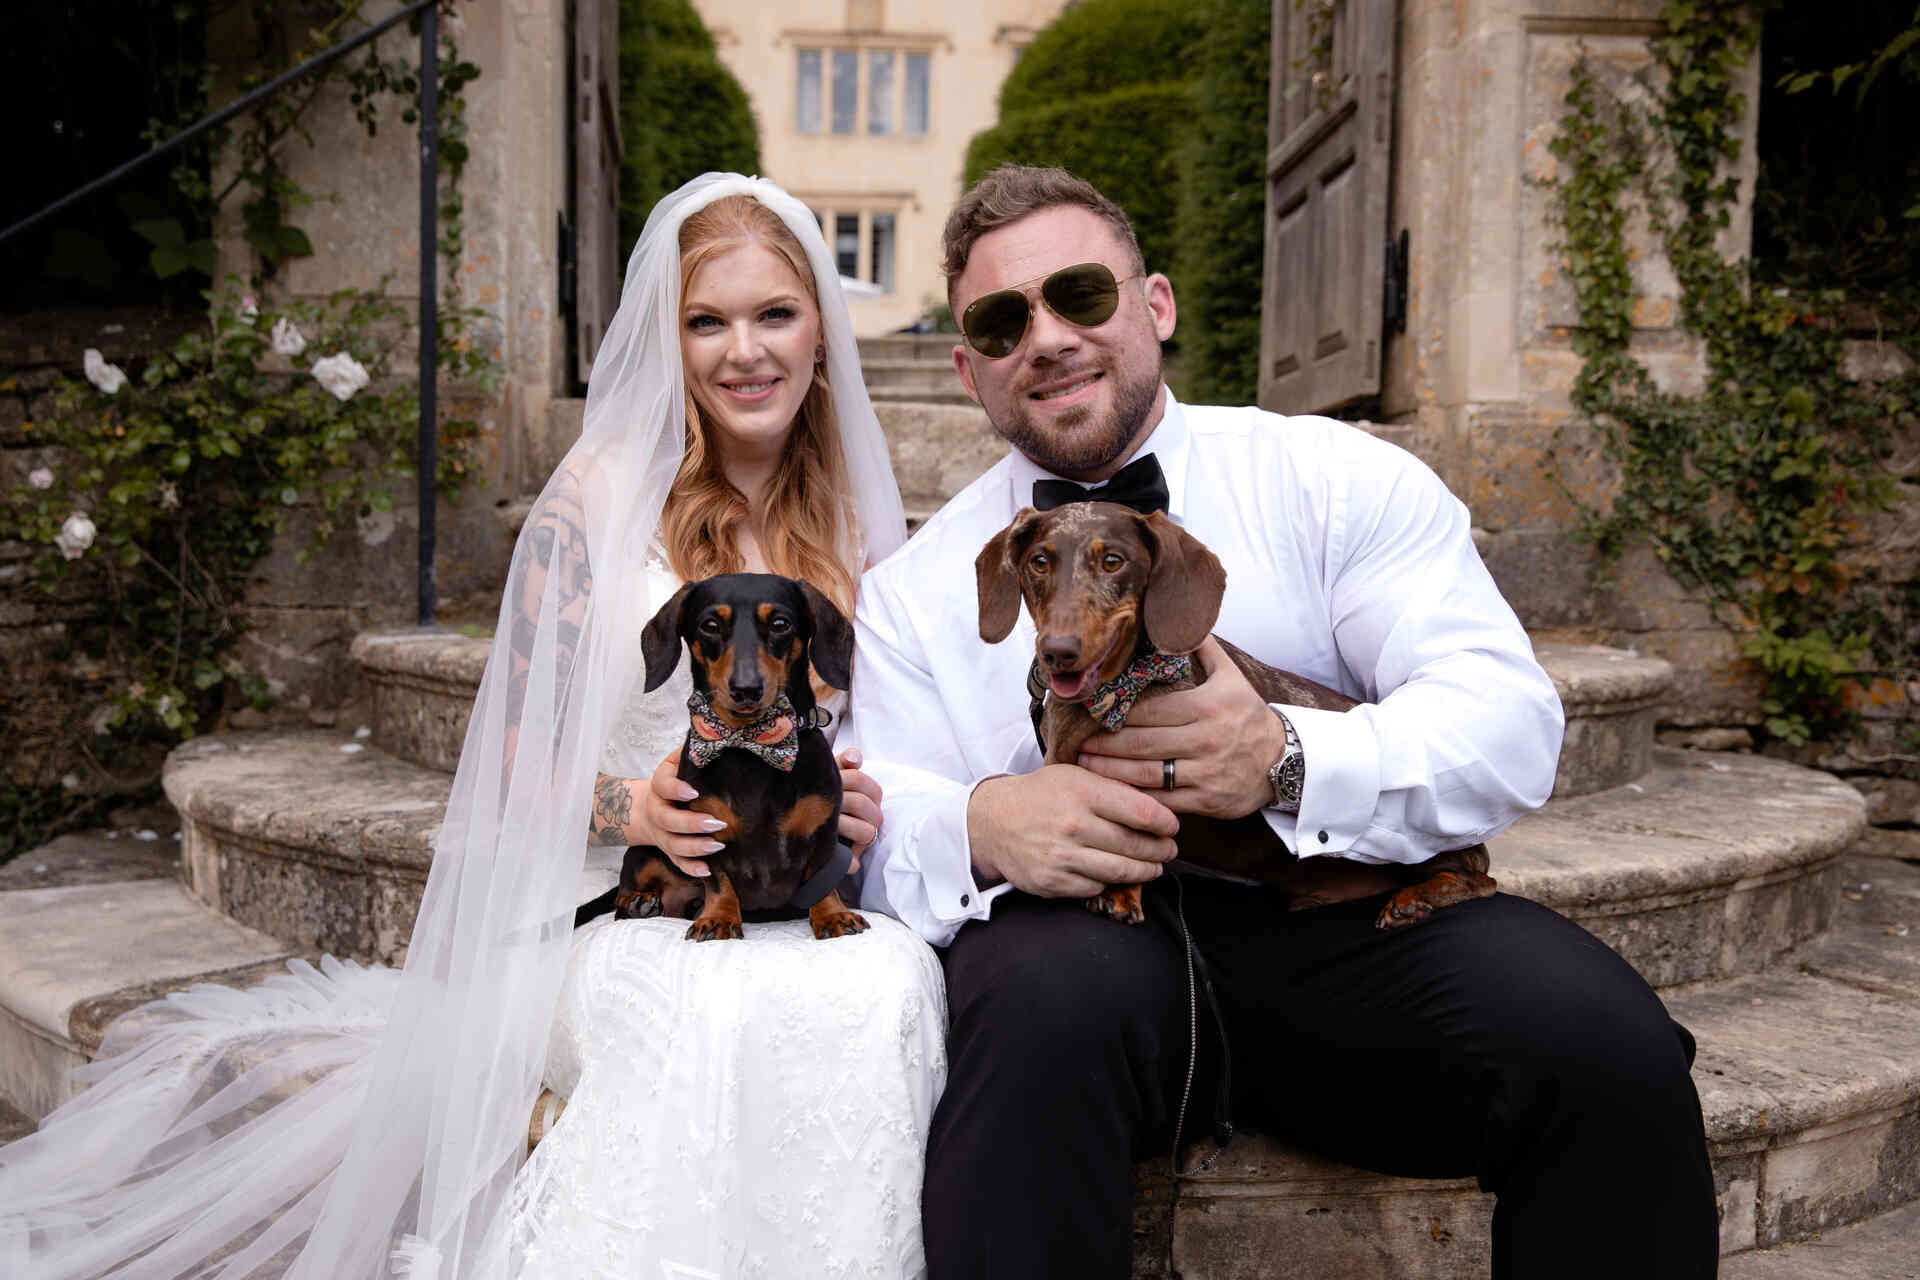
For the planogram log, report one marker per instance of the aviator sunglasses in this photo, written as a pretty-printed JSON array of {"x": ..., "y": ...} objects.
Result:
[{"x": 1085, "y": 294}]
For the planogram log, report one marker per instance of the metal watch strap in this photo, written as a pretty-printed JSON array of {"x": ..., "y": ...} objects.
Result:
[{"x": 1288, "y": 774}]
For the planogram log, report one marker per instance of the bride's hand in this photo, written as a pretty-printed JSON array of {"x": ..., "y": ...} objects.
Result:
[
  {"x": 859, "y": 806},
  {"x": 684, "y": 835}
]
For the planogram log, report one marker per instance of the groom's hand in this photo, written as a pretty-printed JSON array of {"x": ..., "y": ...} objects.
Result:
[
  {"x": 1220, "y": 734},
  {"x": 1062, "y": 832}
]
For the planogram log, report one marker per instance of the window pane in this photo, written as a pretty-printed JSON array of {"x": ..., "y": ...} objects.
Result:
[
  {"x": 880, "y": 92},
  {"x": 846, "y": 87},
  {"x": 883, "y": 250},
  {"x": 806, "y": 98},
  {"x": 846, "y": 244},
  {"x": 917, "y": 92}
]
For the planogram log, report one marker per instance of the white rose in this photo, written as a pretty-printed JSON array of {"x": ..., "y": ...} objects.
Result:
[
  {"x": 75, "y": 536},
  {"x": 286, "y": 338},
  {"x": 108, "y": 377},
  {"x": 40, "y": 478},
  {"x": 340, "y": 374}
]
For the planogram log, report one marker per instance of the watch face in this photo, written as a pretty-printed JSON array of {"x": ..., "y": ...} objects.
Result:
[{"x": 1288, "y": 776}]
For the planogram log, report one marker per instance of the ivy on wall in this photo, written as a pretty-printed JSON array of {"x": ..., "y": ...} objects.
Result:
[{"x": 1753, "y": 490}]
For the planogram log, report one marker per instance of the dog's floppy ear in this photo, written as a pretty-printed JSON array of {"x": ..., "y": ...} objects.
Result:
[
  {"x": 832, "y": 638},
  {"x": 1183, "y": 591},
  {"x": 660, "y": 641},
  {"x": 997, "y": 570}
]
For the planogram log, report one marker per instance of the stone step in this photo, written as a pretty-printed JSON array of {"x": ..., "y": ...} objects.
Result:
[
  {"x": 1809, "y": 1083},
  {"x": 928, "y": 377},
  {"x": 1809, "y": 1073},
  {"x": 419, "y": 688},
  {"x": 928, "y": 391},
  {"x": 14, "y": 1123},
  {"x": 1880, "y": 1248},
  {"x": 1710, "y": 867},
  {"x": 1610, "y": 696},
  {"x": 929, "y": 347},
  {"x": 89, "y": 927},
  {"x": 309, "y": 835}
]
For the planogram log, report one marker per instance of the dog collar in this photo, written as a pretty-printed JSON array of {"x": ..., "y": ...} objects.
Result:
[
  {"x": 774, "y": 737},
  {"x": 1110, "y": 703},
  {"x": 827, "y": 878}
]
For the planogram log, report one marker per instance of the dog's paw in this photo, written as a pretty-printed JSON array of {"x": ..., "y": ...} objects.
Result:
[
  {"x": 1403, "y": 908},
  {"x": 843, "y": 924},
  {"x": 637, "y": 906},
  {"x": 707, "y": 929},
  {"x": 1122, "y": 904}
]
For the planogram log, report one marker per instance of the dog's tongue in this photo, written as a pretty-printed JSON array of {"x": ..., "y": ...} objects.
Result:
[{"x": 1067, "y": 688}]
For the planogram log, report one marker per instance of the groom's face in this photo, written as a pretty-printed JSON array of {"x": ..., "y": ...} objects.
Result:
[{"x": 1076, "y": 400}]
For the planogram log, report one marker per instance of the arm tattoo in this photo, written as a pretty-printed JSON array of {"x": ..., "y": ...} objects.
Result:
[{"x": 612, "y": 811}]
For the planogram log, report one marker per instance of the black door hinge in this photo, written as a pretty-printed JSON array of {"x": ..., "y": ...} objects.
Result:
[{"x": 1395, "y": 311}]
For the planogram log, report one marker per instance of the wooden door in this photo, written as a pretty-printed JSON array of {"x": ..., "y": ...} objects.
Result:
[
  {"x": 594, "y": 98},
  {"x": 1329, "y": 125}
]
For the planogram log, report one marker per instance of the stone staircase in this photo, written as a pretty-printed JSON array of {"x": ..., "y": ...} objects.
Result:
[
  {"x": 912, "y": 367},
  {"x": 1783, "y": 936},
  {"x": 1738, "y": 884}
]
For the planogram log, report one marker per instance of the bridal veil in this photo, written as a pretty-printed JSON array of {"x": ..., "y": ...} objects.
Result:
[{"x": 375, "y": 1121}]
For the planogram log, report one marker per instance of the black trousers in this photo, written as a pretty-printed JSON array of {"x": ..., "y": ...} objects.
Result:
[{"x": 1497, "y": 1040}]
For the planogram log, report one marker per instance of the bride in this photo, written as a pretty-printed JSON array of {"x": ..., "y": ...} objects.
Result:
[{"x": 733, "y": 1108}]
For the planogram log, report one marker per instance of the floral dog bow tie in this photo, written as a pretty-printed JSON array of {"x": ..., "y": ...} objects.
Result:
[
  {"x": 774, "y": 737},
  {"x": 1110, "y": 702}
]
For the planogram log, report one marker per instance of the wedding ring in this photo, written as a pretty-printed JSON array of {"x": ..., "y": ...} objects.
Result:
[{"x": 1166, "y": 775}]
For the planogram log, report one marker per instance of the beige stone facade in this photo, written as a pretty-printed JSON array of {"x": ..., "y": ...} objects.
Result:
[
  {"x": 865, "y": 110},
  {"x": 1479, "y": 384},
  {"x": 364, "y": 222}
]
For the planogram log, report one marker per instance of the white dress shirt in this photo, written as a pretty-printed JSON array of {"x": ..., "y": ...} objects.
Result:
[{"x": 1347, "y": 561}]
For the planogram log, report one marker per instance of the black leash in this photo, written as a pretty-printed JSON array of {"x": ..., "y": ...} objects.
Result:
[{"x": 1199, "y": 983}]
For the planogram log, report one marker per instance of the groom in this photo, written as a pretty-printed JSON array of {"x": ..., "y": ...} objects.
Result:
[{"x": 1496, "y": 1040}]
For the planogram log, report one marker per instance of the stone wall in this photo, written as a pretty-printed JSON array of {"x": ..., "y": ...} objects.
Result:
[
  {"x": 1479, "y": 386},
  {"x": 49, "y": 687}
]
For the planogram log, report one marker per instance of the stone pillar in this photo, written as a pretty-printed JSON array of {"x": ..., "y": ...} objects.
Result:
[
  {"x": 1481, "y": 380},
  {"x": 364, "y": 225}
]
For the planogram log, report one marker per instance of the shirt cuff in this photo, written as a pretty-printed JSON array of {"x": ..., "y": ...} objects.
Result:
[
  {"x": 1342, "y": 786},
  {"x": 946, "y": 865}
]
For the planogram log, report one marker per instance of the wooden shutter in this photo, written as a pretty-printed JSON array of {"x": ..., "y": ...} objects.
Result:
[
  {"x": 596, "y": 170},
  {"x": 1329, "y": 123}
]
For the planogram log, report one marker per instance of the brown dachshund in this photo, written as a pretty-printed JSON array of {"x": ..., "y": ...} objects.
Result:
[
  {"x": 755, "y": 753},
  {"x": 1108, "y": 588}
]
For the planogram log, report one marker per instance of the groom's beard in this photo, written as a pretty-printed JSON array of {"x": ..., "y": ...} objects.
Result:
[{"x": 1076, "y": 443}]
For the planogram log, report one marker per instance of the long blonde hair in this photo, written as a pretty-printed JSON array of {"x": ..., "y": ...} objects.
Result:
[{"x": 807, "y": 521}]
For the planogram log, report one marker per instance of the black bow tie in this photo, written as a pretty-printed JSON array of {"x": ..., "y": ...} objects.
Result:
[{"x": 1139, "y": 485}]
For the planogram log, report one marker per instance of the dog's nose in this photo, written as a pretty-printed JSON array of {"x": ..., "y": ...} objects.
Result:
[
  {"x": 1061, "y": 653},
  {"x": 745, "y": 692}
]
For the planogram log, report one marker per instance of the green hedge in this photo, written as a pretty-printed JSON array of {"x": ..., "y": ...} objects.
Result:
[
  {"x": 681, "y": 112},
  {"x": 1221, "y": 217},
  {"x": 1099, "y": 46},
  {"x": 1123, "y": 142}
]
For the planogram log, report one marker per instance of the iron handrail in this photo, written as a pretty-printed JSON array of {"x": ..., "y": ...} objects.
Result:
[{"x": 428, "y": 11}]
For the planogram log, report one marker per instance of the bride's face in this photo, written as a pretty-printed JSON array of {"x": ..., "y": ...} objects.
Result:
[{"x": 748, "y": 332}]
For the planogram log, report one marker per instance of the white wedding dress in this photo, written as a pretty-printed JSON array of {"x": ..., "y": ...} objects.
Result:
[
  {"x": 738, "y": 1109},
  {"x": 755, "y": 1108}
]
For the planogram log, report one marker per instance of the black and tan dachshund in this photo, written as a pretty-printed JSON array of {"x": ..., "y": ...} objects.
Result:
[
  {"x": 755, "y": 753},
  {"x": 1119, "y": 601}
]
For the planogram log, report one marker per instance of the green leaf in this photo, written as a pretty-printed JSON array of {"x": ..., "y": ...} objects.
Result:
[{"x": 161, "y": 232}]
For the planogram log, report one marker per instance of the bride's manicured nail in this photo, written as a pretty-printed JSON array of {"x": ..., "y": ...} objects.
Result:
[
  {"x": 711, "y": 824},
  {"x": 684, "y": 792},
  {"x": 712, "y": 846}
]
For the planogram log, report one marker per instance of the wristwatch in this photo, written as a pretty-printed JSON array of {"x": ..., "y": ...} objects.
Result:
[{"x": 1289, "y": 773}]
